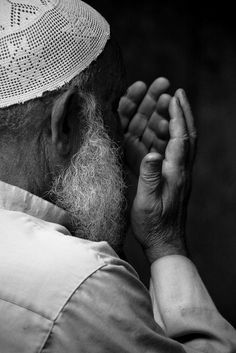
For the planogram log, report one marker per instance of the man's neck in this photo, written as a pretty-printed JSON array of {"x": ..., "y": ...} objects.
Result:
[{"x": 19, "y": 168}]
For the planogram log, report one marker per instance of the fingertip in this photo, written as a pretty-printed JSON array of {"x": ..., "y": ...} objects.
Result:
[
  {"x": 159, "y": 85},
  {"x": 153, "y": 156},
  {"x": 138, "y": 87},
  {"x": 181, "y": 95},
  {"x": 163, "y": 129},
  {"x": 140, "y": 84},
  {"x": 179, "y": 92},
  {"x": 150, "y": 166},
  {"x": 184, "y": 102},
  {"x": 165, "y": 97},
  {"x": 175, "y": 109},
  {"x": 163, "y": 80},
  {"x": 163, "y": 103}
]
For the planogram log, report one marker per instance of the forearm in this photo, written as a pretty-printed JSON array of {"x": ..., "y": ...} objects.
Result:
[{"x": 184, "y": 309}]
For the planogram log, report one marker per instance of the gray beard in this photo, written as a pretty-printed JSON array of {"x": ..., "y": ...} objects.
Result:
[{"x": 91, "y": 189}]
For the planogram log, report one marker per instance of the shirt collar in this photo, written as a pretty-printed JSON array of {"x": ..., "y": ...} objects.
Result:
[{"x": 13, "y": 198}]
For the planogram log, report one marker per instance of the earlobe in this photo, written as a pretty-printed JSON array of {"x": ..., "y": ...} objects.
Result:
[{"x": 60, "y": 127}]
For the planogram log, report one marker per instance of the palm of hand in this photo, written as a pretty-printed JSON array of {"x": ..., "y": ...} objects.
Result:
[{"x": 144, "y": 118}]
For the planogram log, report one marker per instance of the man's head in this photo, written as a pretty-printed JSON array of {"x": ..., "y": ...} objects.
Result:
[{"x": 63, "y": 144}]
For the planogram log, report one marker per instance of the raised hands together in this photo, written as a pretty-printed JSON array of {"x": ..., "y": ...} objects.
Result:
[{"x": 160, "y": 140}]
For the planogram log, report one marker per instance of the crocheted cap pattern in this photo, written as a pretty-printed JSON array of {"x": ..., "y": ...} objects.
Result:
[{"x": 45, "y": 44}]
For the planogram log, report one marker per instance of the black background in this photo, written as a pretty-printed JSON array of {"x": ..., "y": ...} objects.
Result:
[{"x": 193, "y": 44}]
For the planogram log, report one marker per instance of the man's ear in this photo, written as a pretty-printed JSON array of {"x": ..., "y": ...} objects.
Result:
[{"x": 61, "y": 124}]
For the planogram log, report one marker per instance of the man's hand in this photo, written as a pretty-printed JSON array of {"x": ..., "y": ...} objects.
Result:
[
  {"x": 144, "y": 117},
  {"x": 159, "y": 210}
]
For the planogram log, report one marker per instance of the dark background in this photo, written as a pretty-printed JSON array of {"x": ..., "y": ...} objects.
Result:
[{"x": 193, "y": 44}]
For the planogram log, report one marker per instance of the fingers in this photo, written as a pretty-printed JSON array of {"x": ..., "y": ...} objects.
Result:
[
  {"x": 148, "y": 105},
  {"x": 150, "y": 175},
  {"x": 192, "y": 133},
  {"x": 177, "y": 148},
  {"x": 177, "y": 124},
  {"x": 158, "y": 122},
  {"x": 137, "y": 123},
  {"x": 144, "y": 114},
  {"x": 151, "y": 140},
  {"x": 181, "y": 147},
  {"x": 180, "y": 94},
  {"x": 135, "y": 151},
  {"x": 128, "y": 104},
  {"x": 163, "y": 105}
]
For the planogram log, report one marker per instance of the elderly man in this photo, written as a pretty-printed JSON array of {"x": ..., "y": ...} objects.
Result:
[{"x": 63, "y": 287}]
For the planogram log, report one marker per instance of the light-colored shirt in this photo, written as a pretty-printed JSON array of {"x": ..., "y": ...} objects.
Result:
[{"x": 61, "y": 294}]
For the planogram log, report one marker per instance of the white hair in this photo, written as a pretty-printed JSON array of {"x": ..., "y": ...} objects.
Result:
[{"x": 91, "y": 189}]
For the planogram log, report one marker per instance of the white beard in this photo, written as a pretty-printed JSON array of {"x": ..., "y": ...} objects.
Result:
[{"x": 91, "y": 189}]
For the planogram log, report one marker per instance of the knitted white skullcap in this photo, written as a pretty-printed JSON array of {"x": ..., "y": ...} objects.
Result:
[{"x": 44, "y": 44}]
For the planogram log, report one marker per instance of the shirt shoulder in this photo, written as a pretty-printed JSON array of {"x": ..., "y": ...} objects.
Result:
[
  {"x": 41, "y": 265},
  {"x": 110, "y": 312}
]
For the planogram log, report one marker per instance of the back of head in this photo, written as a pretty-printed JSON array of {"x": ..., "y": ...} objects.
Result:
[
  {"x": 45, "y": 44},
  {"x": 49, "y": 48},
  {"x": 45, "y": 47},
  {"x": 57, "y": 66}
]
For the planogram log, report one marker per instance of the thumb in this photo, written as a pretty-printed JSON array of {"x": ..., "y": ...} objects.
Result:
[{"x": 150, "y": 174}]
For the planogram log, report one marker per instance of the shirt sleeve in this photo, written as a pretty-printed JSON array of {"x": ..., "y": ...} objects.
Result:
[
  {"x": 184, "y": 309},
  {"x": 112, "y": 312}
]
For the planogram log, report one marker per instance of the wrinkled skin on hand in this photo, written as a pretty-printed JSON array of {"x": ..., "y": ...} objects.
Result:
[
  {"x": 144, "y": 118},
  {"x": 158, "y": 213}
]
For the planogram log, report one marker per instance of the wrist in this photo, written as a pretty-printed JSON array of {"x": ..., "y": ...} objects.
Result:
[{"x": 157, "y": 251}]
